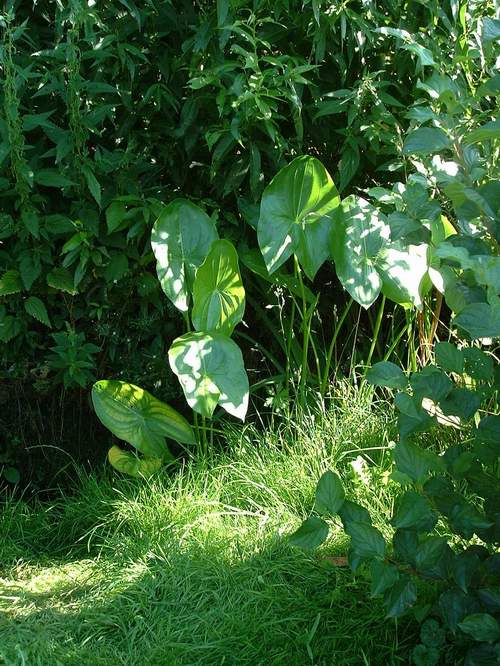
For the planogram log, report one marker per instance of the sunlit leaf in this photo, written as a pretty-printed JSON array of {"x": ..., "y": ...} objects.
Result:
[
  {"x": 137, "y": 417},
  {"x": 218, "y": 293},
  {"x": 128, "y": 463},
  {"x": 356, "y": 240},
  {"x": 181, "y": 239},
  {"x": 211, "y": 371},
  {"x": 296, "y": 216}
]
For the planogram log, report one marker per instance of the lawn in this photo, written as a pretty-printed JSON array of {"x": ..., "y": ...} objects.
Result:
[{"x": 193, "y": 566}]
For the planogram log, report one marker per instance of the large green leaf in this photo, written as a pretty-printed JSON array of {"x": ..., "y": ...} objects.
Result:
[
  {"x": 181, "y": 239},
  {"x": 211, "y": 371},
  {"x": 356, "y": 240},
  {"x": 218, "y": 293},
  {"x": 128, "y": 463},
  {"x": 403, "y": 269},
  {"x": 139, "y": 418},
  {"x": 296, "y": 215},
  {"x": 414, "y": 511}
]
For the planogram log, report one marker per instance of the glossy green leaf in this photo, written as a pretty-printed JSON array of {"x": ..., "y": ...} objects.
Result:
[
  {"x": 128, "y": 463},
  {"x": 62, "y": 280},
  {"x": 329, "y": 493},
  {"x": 460, "y": 402},
  {"x": 415, "y": 461},
  {"x": 218, "y": 293},
  {"x": 387, "y": 374},
  {"x": 431, "y": 556},
  {"x": 311, "y": 534},
  {"x": 181, "y": 239},
  {"x": 400, "y": 596},
  {"x": 403, "y": 269},
  {"x": 211, "y": 371},
  {"x": 466, "y": 520},
  {"x": 351, "y": 512},
  {"x": 425, "y": 141},
  {"x": 51, "y": 178},
  {"x": 432, "y": 383},
  {"x": 297, "y": 213},
  {"x": 366, "y": 540},
  {"x": 139, "y": 418},
  {"x": 405, "y": 544},
  {"x": 383, "y": 575},
  {"x": 115, "y": 214},
  {"x": 356, "y": 240},
  {"x": 478, "y": 364}
]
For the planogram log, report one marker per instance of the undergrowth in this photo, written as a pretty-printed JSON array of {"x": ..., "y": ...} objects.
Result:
[{"x": 194, "y": 567}]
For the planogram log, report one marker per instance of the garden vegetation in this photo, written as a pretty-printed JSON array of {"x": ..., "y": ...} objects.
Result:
[{"x": 250, "y": 251}]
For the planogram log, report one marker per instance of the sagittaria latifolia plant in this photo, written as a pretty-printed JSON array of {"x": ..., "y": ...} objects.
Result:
[{"x": 301, "y": 216}]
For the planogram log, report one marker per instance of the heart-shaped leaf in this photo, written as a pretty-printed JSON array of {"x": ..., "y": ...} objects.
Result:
[
  {"x": 218, "y": 293},
  {"x": 211, "y": 371},
  {"x": 356, "y": 241},
  {"x": 403, "y": 269},
  {"x": 139, "y": 418},
  {"x": 296, "y": 215},
  {"x": 181, "y": 239},
  {"x": 128, "y": 463}
]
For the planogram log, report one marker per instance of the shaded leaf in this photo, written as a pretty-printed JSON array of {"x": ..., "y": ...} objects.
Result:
[
  {"x": 36, "y": 308},
  {"x": 329, "y": 493},
  {"x": 311, "y": 534}
]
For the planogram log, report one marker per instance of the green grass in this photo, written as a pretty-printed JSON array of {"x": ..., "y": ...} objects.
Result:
[{"x": 193, "y": 567}]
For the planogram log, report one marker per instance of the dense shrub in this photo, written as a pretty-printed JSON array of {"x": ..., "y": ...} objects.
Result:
[{"x": 111, "y": 109}]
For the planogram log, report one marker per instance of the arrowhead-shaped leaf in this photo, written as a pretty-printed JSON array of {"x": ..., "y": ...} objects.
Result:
[
  {"x": 139, "y": 418},
  {"x": 402, "y": 269},
  {"x": 218, "y": 293},
  {"x": 211, "y": 371},
  {"x": 356, "y": 240},
  {"x": 181, "y": 239},
  {"x": 296, "y": 215}
]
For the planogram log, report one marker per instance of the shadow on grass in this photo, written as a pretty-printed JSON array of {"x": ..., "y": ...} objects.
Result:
[{"x": 183, "y": 605}]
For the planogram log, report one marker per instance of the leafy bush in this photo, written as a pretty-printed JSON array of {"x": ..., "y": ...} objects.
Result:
[
  {"x": 109, "y": 111},
  {"x": 445, "y": 527}
]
